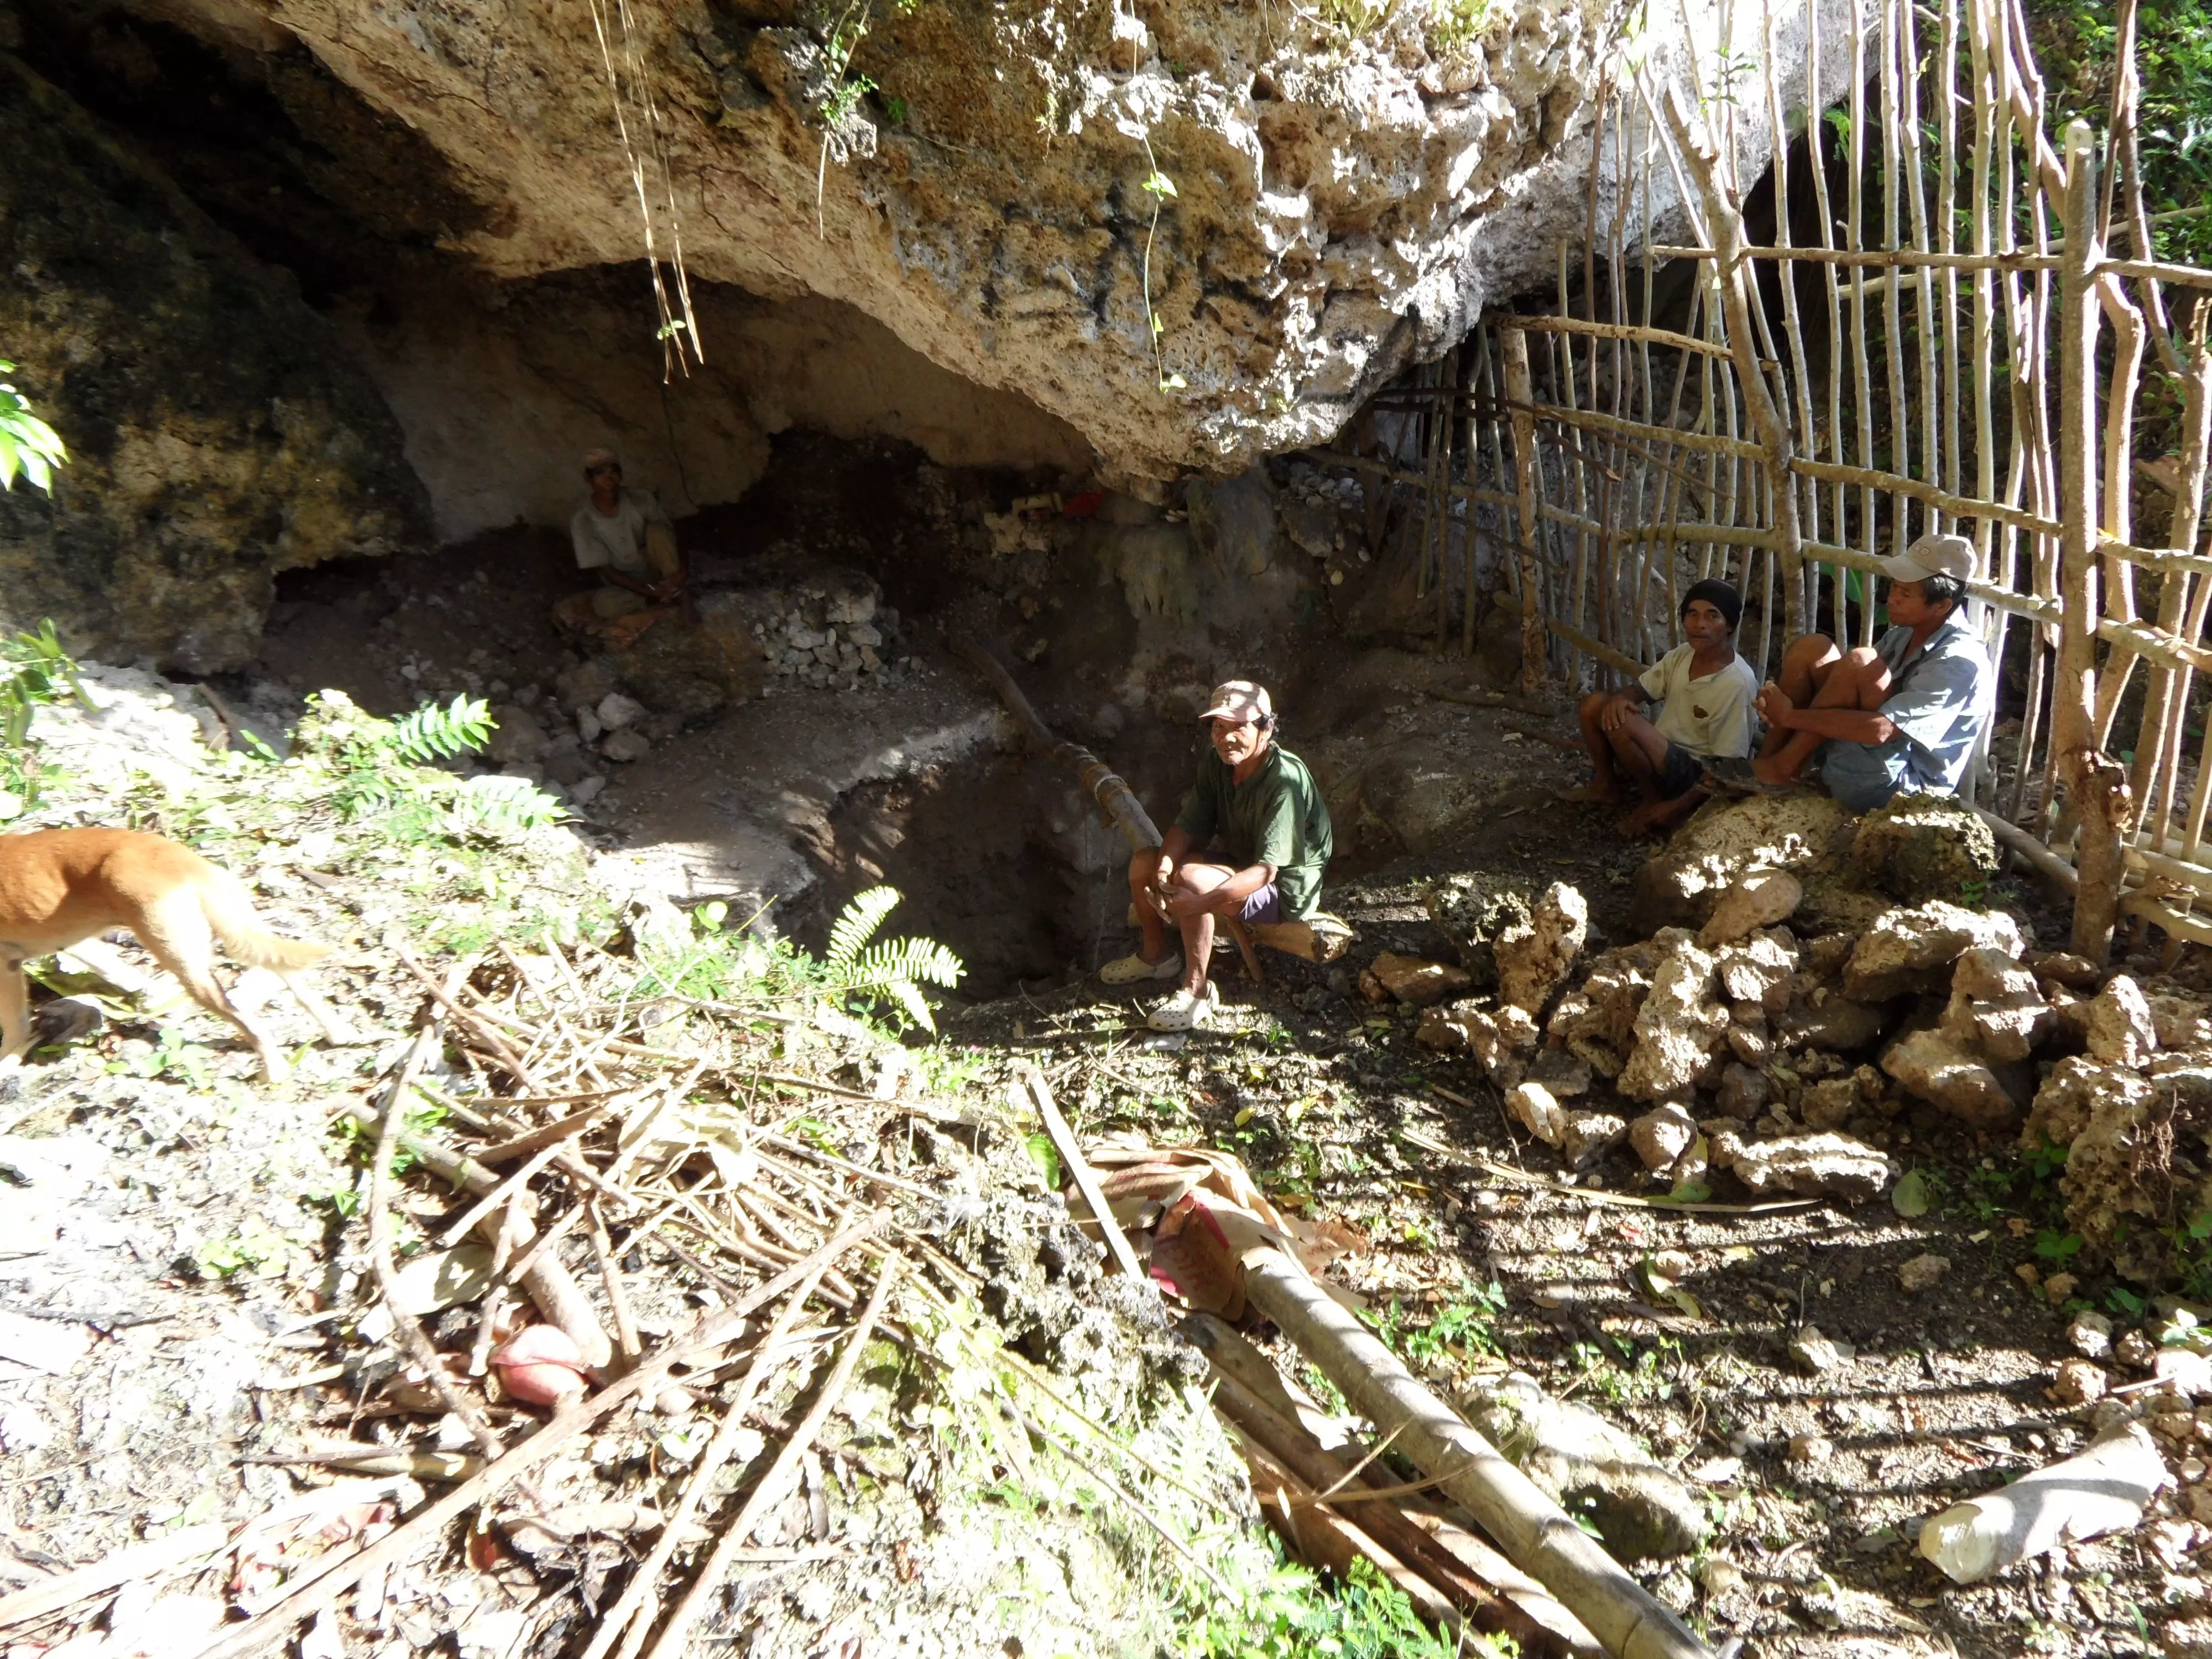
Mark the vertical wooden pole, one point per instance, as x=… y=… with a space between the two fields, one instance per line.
x=2096 y=787
x=1514 y=347
x=1725 y=226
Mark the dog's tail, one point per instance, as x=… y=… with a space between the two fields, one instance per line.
x=230 y=917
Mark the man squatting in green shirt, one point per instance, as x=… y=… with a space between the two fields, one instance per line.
x=1260 y=802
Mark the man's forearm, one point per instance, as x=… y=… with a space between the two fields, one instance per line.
x=1245 y=882
x=1844 y=724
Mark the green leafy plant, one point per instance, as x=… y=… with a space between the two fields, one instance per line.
x=35 y=670
x=28 y=444
x=1455 y=25
x=385 y=769
x=897 y=968
x=1161 y=189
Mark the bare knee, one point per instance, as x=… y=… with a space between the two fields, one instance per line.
x=1806 y=649
x=1594 y=705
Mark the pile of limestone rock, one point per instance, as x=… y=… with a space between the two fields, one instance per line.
x=1794 y=1060
x=831 y=630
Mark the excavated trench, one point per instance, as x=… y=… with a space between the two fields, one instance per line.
x=784 y=792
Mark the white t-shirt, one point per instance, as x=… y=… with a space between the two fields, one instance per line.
x=617 y=539
x=1707 y=716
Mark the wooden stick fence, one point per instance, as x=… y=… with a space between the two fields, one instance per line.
x=1959 y=348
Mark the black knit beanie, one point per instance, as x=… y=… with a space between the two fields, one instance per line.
x=1720 y=595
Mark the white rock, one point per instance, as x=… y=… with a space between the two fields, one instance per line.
x=1905 y=943
x=1661 y=1137
x=2120 y=1028
x=2090 y=1335
x=1533 y=1107
x=1759 y=900
x=1678 y=1029
x=1532 y=959
x=616 y=711
x=625 y=745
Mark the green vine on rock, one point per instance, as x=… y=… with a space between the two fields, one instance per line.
x=1159 y=187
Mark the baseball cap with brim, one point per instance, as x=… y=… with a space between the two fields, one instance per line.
x=1932 y=555
x=596 y=459
x=1240 y=701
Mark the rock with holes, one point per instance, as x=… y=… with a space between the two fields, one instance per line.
x=1907 y=950
x=1742 y=1094
x=1956 y=1080
x=2180 y=1022
x=1830 y=1104
x=1533 y=1109
x=2075 y=972
x=1414 y=982
x=1996 y=1006
x=1680 y=1030
x=1805 y=837
x=1809 y=1165
x=1832 y=1024
x=1921 y=847
x=1565 y=1074
x=1764 y=898
x=2078 y=1088
x=1596 y=1021
x=1501 y=1041
x=1660 y=1137
x=1758 y=968
x=1473 y=909
x=1535 y=955
x=1589 y=1135
x=2120 y=1030
x=2138 y=1162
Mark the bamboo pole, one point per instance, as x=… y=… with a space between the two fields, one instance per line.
x=1780 y=454
x=2095 y=791
x=1907 y=258
x=1514 y=347
x=1534 y=1533
x=1105 y=786
x=2116 y=525
x=2158 y=763
x=1893 y=19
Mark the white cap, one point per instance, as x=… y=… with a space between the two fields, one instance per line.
x=1932 y=555
x=1241 y=700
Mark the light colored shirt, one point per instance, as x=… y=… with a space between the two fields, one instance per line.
x=1940 y=700
x=1710 y=714
x=617 y=539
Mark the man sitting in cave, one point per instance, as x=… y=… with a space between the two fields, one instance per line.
x=1902 y=717
x=1704 y=692
x=625 y=536
x=1262 y=803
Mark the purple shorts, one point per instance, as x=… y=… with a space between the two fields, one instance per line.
x=1264 y=907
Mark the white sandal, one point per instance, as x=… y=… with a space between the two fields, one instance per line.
x=1134 y=969
x=1185 y=1012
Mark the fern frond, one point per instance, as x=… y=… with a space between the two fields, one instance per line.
x=857 y=923
x=908 y=997
x=434 y=733
x=507 y=805
x=911 y=959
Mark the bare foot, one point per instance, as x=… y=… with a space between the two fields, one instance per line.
x=1771 y=770
x=1644 y=821
x=1593 y=795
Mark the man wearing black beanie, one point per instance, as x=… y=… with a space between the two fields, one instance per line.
x=1704 y=693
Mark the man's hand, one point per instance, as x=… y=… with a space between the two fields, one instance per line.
x=1618 y=707
x=1774 y=706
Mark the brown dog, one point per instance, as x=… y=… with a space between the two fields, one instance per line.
x=59 y=886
